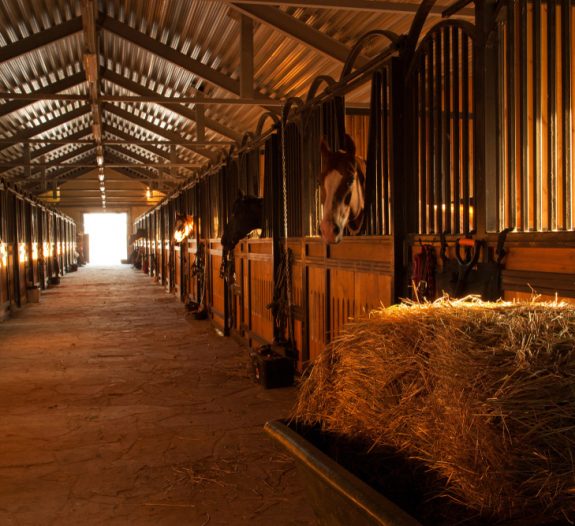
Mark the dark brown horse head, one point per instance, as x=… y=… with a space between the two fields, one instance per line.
x=342 y=193
x=184 y=227
x=246 y=216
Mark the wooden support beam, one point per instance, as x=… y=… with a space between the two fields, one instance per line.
x=48 y=125
x=48 y=92
x=156 y=130
x=148 y=164
x=371 y=6
x=171 y=55
x=294 y=28
x=43 y=38
x=139 y=159
x=188 y=113
x=128 y=141
x=246 y=56
x=91 y=62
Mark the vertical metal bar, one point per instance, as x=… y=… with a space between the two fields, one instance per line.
x=537 y=125
x=465 y=130
x=455 y=137
x=552 y=116
x=566 y=81
x=523 y=124
x=446 y=165
x=385 y=150
x=422 y=111
x=430 y=139
x=438 y=130
x=511 y=113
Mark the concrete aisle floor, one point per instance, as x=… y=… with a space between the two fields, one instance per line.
x=116 y=409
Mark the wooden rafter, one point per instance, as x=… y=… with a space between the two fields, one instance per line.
x=91 y=60
x=379 y=6
x=156 y=130
x=21 y=100
x=43 y=38
x=48 y=125
x=300 y=31
x=165 y=52
x=141 y=91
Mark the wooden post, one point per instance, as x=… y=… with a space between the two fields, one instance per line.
x=404 y=207
x=485 y=110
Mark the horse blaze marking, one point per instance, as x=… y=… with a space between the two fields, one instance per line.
x=342 y=185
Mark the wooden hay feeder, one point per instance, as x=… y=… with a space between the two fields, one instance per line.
x=480 y=395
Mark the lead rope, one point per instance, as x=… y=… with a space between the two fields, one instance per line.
x=285 y=218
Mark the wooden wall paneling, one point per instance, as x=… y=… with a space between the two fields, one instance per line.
x=178 y=252
x=217 y=293
x=342 y=299
x=538 y=259
x=261 y=286
x=317 y=310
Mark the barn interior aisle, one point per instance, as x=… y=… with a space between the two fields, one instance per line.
x=118 y=409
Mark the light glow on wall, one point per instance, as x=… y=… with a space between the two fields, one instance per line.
x=108 y=233
x=3 y=255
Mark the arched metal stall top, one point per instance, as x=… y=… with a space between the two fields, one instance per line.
x=37 y=243
x=469 y=132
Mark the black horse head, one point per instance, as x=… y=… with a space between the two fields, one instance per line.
x=246 y=216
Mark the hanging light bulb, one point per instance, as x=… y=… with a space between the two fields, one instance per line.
x=148 y=193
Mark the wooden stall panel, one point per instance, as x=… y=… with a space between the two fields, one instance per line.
x=193 y=293
x=216 y=287
x=372 y=291
x=238 y=291
x=561 y=260
x=342 y=299
x=261 y=287
x=178 y=269
x=373 y=249
x=316 y=301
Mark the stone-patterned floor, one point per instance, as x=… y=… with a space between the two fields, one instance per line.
x=117 y=409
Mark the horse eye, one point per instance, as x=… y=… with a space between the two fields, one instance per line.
x=347 y=198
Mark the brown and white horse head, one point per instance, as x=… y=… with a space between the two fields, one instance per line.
x=184 y=227
x=342 y=182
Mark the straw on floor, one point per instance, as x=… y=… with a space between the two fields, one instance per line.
x=483 y=393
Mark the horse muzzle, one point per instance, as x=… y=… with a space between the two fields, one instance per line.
x=330 y=232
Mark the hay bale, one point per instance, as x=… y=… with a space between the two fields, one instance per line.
x=482 y=393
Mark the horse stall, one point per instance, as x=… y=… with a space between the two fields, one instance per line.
x=455 y=179
x=35 y=245
x=468 y=149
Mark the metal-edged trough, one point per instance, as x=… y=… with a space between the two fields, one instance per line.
x=338 y=497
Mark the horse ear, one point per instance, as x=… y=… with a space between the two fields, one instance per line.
x=349 y=146
x=325 y=151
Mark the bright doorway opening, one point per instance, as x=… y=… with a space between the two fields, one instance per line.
x=108 y=237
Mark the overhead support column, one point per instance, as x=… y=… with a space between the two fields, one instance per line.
x=92 y=69
x=246 y=57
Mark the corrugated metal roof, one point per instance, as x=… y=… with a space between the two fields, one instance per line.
x=207 y=31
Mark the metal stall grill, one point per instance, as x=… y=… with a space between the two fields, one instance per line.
x=536 y=44
x=441 y=85
x=379 y=156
